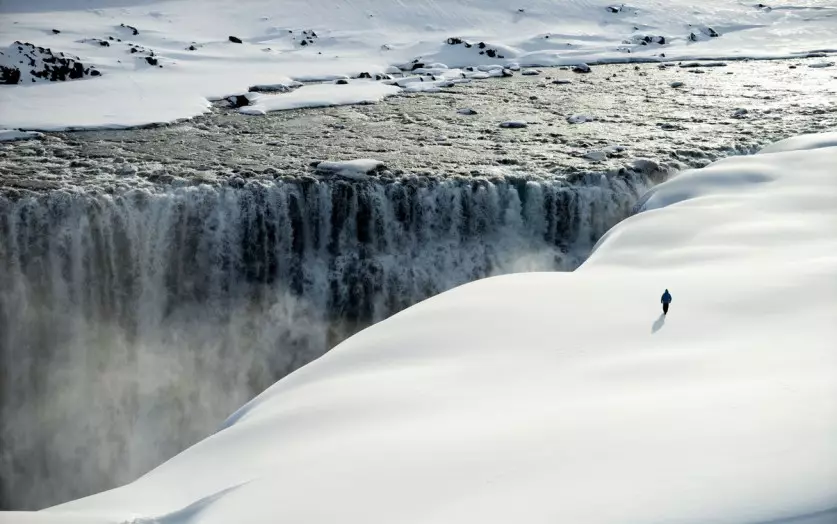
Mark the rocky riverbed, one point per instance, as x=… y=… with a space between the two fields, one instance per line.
x=540 y=123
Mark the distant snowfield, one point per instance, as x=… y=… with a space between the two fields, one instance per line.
x=564 y=397
x=189 y=39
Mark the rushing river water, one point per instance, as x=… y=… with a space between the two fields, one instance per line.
x=153 y=280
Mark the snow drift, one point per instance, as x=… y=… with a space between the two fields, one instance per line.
x=565 y=397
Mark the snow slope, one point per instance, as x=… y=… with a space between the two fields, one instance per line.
x=181 y=55
x=565 y=397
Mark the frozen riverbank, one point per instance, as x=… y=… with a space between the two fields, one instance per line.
x=153 y=62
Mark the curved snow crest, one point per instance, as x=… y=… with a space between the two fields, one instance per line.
x=732 y=179
x=162 y=61
x=803 y=142
x=568 y=397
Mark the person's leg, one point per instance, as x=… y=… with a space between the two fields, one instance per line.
x=665 y=309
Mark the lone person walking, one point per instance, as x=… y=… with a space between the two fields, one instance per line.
x=666 y=300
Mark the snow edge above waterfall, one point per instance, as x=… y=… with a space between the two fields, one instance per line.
x=476 y=403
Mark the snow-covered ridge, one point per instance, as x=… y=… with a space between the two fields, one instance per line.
x=162 y=61
x=475 y=404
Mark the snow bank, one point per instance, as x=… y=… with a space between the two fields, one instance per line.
x=565 y=397
x=321 y=95
x=159 y=61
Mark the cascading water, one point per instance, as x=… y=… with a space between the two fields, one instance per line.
x=132 y=324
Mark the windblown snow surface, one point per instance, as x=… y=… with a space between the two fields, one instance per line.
x=159 y=61
x=564 y=397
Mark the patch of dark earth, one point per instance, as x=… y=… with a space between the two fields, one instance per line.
x=627 y=112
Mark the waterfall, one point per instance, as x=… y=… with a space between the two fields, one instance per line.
x=132 y=324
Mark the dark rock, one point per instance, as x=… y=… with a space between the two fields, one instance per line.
x=10 y=75
x=133 y=29
x=304 y=43
x=693 y=37
x=151 y=60
x=56 y=31
x=237 y=101
x=507 y=73
x=191 y=48
x=581 y=68
x=491 y=53
x=342 y=82
x=93 y=72
x=614 y=9
x=364 y=75
x=454 y=41
x=235 y=40
x=712 y=33
x=104 y=43
x=417 y=65
x=134 y=50
x=481 y=45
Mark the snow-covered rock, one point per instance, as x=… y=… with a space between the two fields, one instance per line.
x=596 y=155
x=580 y=119
x=359 y=169
x=25 y=63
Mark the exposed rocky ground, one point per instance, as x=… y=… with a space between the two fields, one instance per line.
x=541 y=125
x=23 y=63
